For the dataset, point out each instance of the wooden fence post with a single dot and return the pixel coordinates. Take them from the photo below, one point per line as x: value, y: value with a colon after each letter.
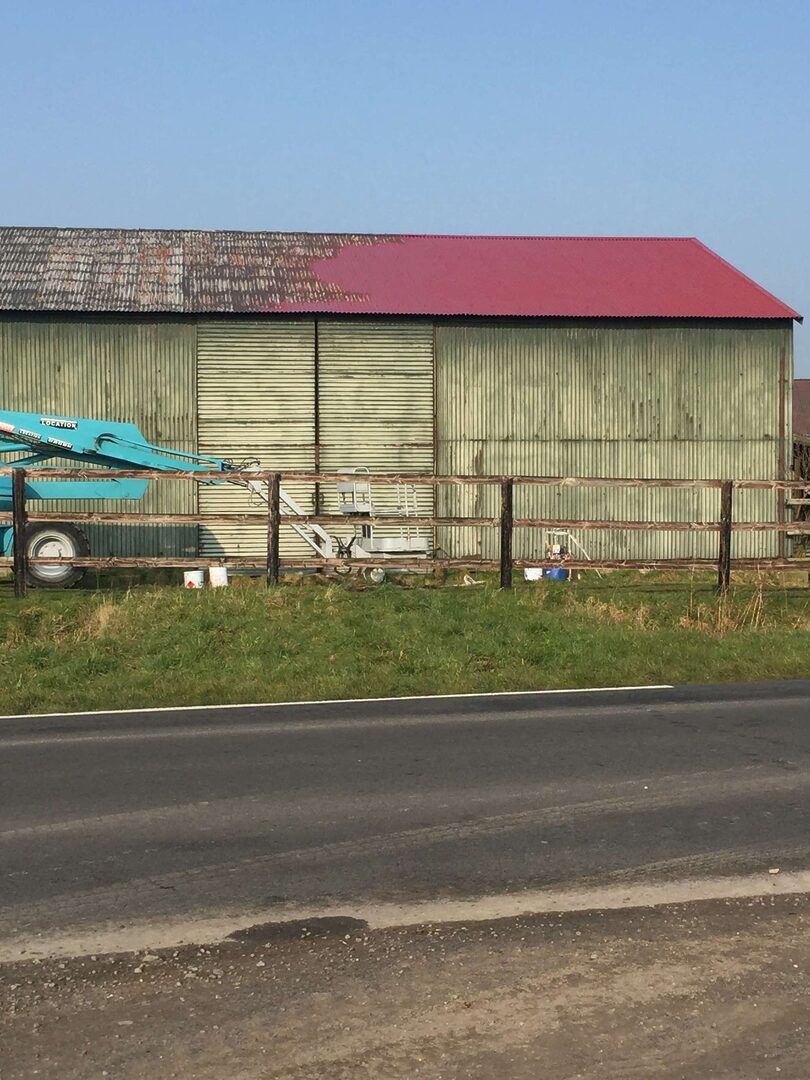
x: 19, y: 517
x: 726, y: 518
x: 273, y: 527
x: 506, y: 533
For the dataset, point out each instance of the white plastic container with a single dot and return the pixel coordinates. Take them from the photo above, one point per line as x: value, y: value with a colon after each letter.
x: 532, y: 573
x: 194, y: 579
x: 218, y: 576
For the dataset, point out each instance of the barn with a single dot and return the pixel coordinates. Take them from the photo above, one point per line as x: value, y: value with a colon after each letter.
x: 557, y: 356
x: 801, y: 407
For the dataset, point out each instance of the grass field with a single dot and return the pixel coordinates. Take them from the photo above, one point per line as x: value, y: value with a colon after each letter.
x: 142, y: 645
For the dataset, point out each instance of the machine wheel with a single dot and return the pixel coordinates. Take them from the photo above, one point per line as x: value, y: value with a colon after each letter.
x: 61, y: 541
x: 374, y: 574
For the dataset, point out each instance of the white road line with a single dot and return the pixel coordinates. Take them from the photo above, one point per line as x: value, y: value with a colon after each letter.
x: 338, y: 701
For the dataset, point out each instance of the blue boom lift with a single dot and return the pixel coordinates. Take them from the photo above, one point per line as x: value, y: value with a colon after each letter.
x: 36, y: 439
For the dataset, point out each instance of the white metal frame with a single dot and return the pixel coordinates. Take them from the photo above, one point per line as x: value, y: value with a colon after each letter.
x: 354, y: 499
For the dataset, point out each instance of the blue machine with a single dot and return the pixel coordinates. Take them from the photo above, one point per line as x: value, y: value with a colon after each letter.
x: 35, y: 439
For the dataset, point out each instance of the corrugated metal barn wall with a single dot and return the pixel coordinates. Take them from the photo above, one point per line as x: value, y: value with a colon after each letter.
x: 256, y: 393
x: 580, y: 398
x: 127, y: 369
x: 299, y: 394
x: 609, y: 399
x: 375, y: 405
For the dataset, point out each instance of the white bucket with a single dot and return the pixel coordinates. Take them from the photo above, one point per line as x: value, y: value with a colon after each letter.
x: 194, y: 579
x: 218, y: 576
x: 533, y: 573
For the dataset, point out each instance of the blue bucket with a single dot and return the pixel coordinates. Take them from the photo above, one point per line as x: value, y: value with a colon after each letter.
x: 556, y: 573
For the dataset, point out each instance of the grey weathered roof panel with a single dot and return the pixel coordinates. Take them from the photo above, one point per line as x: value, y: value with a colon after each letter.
x: 146, y: 270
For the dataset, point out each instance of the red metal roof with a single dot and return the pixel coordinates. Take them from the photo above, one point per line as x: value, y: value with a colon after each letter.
x: 541, y: 276
x: 154, y: 270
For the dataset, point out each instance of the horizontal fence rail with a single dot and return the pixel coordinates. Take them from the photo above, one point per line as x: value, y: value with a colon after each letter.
x: 21, y: 516
x: 92, y: 517
x: 410, y: 478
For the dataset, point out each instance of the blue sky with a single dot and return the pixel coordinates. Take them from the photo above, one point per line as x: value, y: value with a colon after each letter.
x: 575, y: 117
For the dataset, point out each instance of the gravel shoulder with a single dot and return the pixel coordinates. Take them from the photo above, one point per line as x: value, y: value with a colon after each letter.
x: 710, y: 989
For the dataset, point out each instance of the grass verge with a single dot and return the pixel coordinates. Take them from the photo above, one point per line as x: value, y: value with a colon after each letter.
x: 310, y: 638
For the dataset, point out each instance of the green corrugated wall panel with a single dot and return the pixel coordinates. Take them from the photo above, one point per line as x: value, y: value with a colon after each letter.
x: 121, y: 369
x: 256, y: 391
x: 375, y: 382
x: 600, y: 400
x: 577, y: 399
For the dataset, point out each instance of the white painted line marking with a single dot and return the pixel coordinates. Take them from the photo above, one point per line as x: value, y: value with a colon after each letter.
x: 339, y: 701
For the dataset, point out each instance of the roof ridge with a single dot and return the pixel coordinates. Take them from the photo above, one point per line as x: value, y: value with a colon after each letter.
x: 349, y: 232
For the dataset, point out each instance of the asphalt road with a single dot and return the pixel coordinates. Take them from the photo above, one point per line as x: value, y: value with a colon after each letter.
x: 111, y: 819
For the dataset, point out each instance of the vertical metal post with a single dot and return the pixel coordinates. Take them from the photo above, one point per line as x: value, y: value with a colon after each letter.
x: 273, y: 527
x: 724, y: 560
x: 19, y: 518
x: 317, y: 410
x: 782, y: 463
x: 506, y: 533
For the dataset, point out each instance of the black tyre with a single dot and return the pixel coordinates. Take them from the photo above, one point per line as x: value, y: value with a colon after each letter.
x: 60, y: 541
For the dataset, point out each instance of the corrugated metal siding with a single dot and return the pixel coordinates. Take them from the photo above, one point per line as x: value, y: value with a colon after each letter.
x: 376, y: 403
x: 583, y: 398
x: 256, y: 395
x: 602, y: 400
x: 122, y: 369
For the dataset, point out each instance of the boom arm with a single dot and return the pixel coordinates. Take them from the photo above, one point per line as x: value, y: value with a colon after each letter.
x: 103, y: 442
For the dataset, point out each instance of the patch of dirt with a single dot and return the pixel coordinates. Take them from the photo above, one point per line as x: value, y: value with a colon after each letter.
x: 710, y: 989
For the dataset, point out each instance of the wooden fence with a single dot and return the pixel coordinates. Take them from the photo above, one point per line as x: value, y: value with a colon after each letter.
x: 272, y: 565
